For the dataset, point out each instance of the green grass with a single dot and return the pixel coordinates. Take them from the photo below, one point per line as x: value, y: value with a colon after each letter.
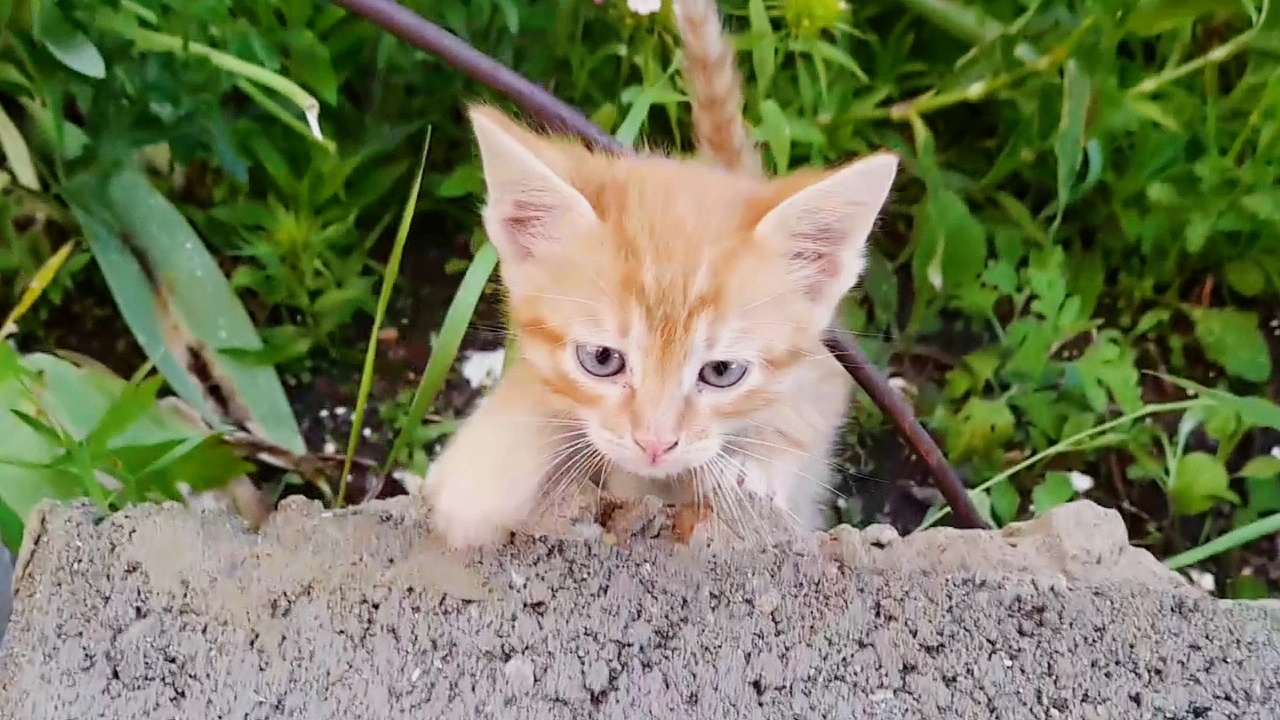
x: 1087, y: 226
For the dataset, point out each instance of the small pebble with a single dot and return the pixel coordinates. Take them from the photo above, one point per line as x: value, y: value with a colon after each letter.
x: 519, y: 672
x: 880, y: 534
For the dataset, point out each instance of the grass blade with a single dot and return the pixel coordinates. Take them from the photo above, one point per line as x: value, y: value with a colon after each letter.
x: 45, y: 275
x: 1227, y: 541
x: 384, y: 299
x: 445, y: 351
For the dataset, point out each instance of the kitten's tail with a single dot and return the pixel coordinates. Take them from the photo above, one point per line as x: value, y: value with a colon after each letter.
x: 715, y: 88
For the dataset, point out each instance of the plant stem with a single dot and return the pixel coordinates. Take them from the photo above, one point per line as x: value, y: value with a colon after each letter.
x: 1227, y: 541
x: 966, y: 23
x: 1214, y: 56
x: 979, y: 90
x: 1067, y: 445
x: 151, y: 41
x: 272, y: 107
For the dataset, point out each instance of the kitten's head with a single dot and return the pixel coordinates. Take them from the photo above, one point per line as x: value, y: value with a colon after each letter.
x: 664, y: 303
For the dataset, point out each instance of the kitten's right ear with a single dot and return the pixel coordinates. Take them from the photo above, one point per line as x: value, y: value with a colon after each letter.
x: 530, y: 208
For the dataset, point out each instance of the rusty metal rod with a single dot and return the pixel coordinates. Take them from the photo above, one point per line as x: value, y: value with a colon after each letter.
x: 536, y: 101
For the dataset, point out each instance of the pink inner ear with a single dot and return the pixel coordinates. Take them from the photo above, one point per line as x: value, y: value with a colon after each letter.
x: 816, y: 254
x: 526, y: 222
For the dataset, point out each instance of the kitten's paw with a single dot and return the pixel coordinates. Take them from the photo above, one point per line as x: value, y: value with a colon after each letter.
x: 473, y: 511
x: 463, y: 518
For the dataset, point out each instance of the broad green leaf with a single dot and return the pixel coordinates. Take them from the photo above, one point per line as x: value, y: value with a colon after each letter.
x: 1247, y: 587
x: 981, y: 504
x: 1262, y: 467
x: 1053, y: 491
x: 1068, y: 145
x: 1232, y: 339
x: 68, y: 44
x: 1200, y: 482
x: 1004, y: 502
x: 1246, y: 277
x: 981, y: 428
x: 177, y: 302
x: 79, y: 396
x: 952, y: 253
x: 11, y: 527
x: 1263, y: 494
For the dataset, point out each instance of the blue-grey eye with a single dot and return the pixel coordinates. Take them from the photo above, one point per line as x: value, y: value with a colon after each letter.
x: 722, y: 373
x: 601, y: 361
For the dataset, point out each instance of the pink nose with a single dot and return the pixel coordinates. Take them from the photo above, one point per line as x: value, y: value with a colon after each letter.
x: 654, y: 447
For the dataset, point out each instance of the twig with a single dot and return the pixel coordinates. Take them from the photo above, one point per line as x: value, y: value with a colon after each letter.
x: 421, y: 33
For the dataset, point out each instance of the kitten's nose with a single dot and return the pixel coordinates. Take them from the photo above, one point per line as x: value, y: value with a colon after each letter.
x: 654, y: 446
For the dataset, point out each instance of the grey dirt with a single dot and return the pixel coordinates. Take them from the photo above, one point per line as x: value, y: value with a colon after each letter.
x: 166, y: 612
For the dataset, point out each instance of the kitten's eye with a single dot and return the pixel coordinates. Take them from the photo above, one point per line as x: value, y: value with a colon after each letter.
x: 722, y: 373
x: 601, y: 361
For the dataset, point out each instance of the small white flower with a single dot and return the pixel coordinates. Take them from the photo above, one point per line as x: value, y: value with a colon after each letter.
x: 1275, y: 452
x: 1080, y: 482
x: 484, y: 367
x: 644, y: 7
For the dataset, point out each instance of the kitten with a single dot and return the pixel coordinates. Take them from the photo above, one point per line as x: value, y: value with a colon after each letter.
x: 669, y: 314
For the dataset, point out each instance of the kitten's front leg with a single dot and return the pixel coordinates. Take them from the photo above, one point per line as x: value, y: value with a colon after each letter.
x: 487, y: 479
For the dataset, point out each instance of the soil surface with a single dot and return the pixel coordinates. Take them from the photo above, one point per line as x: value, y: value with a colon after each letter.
x: 169, y: 612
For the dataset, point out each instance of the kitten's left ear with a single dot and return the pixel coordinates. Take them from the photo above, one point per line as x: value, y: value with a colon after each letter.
x: 825, y: 226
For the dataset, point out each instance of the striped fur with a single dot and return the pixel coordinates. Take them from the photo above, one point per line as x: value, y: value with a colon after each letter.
x: 715, y: 88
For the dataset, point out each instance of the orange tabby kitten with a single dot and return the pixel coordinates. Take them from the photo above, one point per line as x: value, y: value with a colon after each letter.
x: 669, y: 312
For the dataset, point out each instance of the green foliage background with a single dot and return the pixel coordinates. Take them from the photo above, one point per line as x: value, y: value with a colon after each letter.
x: 1088, y: 218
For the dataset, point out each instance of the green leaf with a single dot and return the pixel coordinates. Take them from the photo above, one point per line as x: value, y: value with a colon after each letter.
x: 1232, y: 339
x: 134, y: 401
x: 1053, y: 491
x: 1151, y: 17
x: 953, y: 243
x: 12, y: 528
x: 981, y: 428
x: 1004, y: 502
x: 309, y: 64
x: 175, y: 299
x: 1247, y: 587
x: 1246, y: 277
x: 777, y: 133
x: 764, y: 46
x: 1262, y: 467
x: 1068, y: 146
x: 1200, y: 482
x: 17, y: 154
x: 69, y: 45
x: 1263, y: 494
